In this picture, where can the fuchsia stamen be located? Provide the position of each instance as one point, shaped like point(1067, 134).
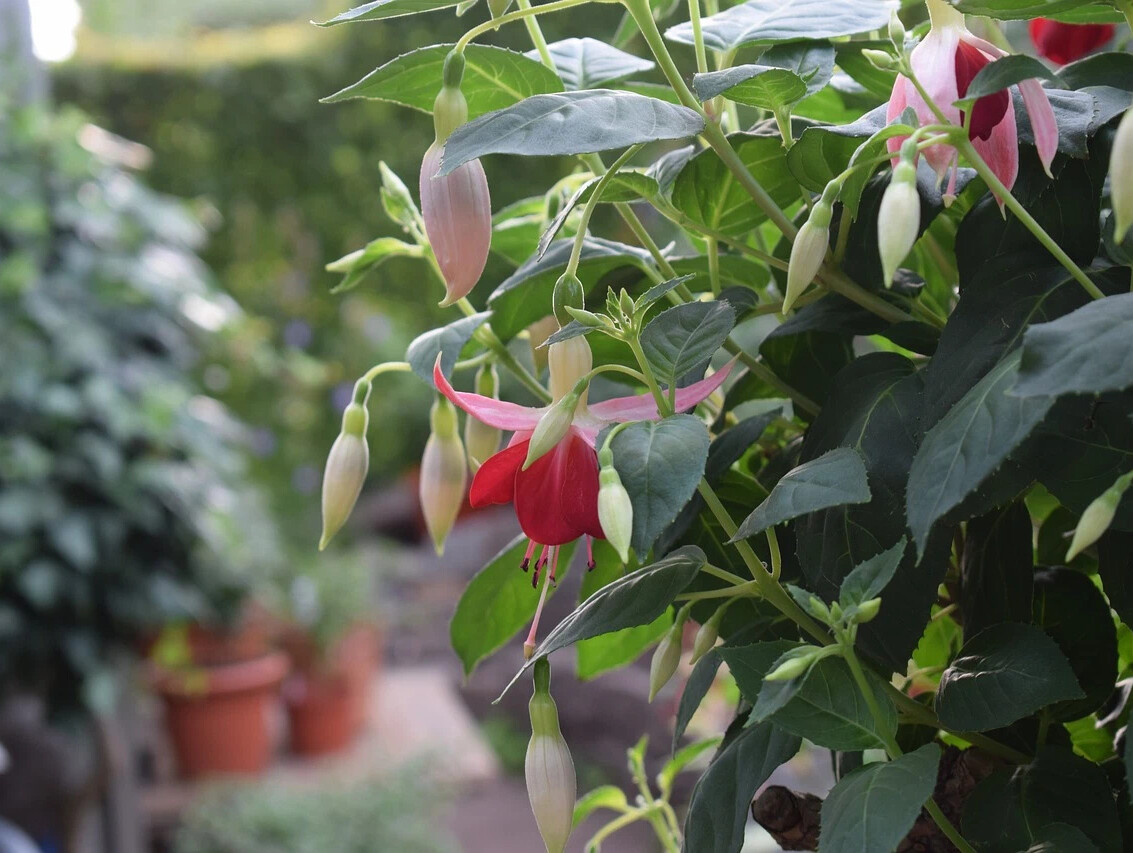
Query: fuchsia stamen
point(554, 564)
point(589, 553)
point(527, 556)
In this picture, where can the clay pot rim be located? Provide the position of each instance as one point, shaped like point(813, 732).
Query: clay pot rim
point(197, 682)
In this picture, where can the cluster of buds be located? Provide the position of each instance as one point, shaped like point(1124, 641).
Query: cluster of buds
point(347, 464)
point(899, 217)
point(444, 473)
point(548, 767)
point(667, 655)
point(1121, 176)
point(480, 440)
point(615, 510)
point(809, 249)
point(1098, 516)
point(456, 207)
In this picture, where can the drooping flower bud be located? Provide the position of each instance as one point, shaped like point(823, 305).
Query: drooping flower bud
point(347, 464)
point(1121, 176)
point(808, 252)
point(615, 510)
point(898, 219)
point(481, 440)
point(667, 655)
point(708, 633)
point(444, 473)
point(1098, 517)
point(548, 767)
point(568, 292)
point(456, 208)
point(554, 425)
point(569, 361)
point(792, 664)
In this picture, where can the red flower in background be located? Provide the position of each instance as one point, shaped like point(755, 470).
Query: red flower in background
point(1063, 43)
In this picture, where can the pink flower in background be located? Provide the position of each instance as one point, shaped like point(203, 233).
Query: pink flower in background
point(946, 61)
point(1063, 43)
point(457, 210)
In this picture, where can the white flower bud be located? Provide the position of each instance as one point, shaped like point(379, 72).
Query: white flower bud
point(898, 220)
point(1098, 517)
point(481, 440)
point(347, 464)
point(807, 253)
point(666, 658)
point(569, 361)
point(1121, 176)
point(615, 510)
point(444, 474)
point(548, 767)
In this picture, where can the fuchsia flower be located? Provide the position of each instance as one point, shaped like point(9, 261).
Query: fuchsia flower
point(556, 499)
point(1063, 43)
point(946, 61)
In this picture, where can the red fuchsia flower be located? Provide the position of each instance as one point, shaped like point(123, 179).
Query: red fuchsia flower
point(1063, 43)
point(946, 61)
point(556, 498)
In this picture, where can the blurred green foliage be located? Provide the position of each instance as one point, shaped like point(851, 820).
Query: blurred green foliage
point(123, 496)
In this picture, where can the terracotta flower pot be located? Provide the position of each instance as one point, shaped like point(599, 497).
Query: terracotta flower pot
point(218, 717)
point(320, 712)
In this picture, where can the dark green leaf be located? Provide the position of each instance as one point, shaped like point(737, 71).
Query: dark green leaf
point(494, 78)
point(717, 812)
point(683, 339)
point(1115, 567)
point(969, 443)
point(446, 341)
point(659, 290)
point(660, 464)
point(750, 663)
point(835, 478)
point(1005, 72)
point(1102, 69)
point(496, 605)
point(584, 63)
point(768, 21)
point(1085, 352)
point(868, 580)
point(1004, 673)
point(1062, 838)
point(569, 123)
point(1075, 11)
point(997, 569)
point(808, 361)
point(874, 807)
point(784, 76)
point(624, 186)
point(682, 759)
point(696, 688)
point(382, 9)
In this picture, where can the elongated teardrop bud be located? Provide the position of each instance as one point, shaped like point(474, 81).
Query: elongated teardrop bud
point(793, 664)
point(569, 361)
point(554, 425)
point(667, 655)
point(708, 633)
point(548, 767)
point(808, 252)
point(347, 464)
point(615, 510)
point(481, 440)
point(1121, 176)
point(567, 293)
point(1098, 516)
point(898, 218)
point(444, 473)
point(456, 207)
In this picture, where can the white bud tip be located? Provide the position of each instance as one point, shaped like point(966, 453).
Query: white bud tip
point(528, 650)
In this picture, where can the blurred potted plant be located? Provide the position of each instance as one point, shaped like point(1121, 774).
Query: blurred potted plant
point(334, 644)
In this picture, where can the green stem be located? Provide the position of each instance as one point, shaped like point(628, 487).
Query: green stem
point(776, 555)
point(384, 367)
point(713, 250)
point(745, 589)
point(615, 368)
point(722, 574)
point(697, 36)
point(591, 203)
point(487, 337)
point(525, 11)
point(536, 34)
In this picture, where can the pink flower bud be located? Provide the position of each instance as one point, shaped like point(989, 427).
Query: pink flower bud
point(458, 221)
point(444, 474)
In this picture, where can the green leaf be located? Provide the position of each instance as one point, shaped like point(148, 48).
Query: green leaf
point(830, 711)
point(720, 801)
point(624, 186)
point(603, 797)
point(750, 663)
point(610, 651)
point(525, 295)
point(768, 21)
point(874, 807)
point(1004, 673)
point(1113, 68)
point(516, 229)
point(681, 760)
point(569, 123)
point(835, 478)
point(707, 192)
point(660, 464)
point(784, 76)
point(585, 63)
point(496, 605)
point(657, 291)
point(1073, 11)
point(357, 265)
point(822, 152)
point(1115, 568)
point(1087, 351)
point(635, 599)
point(381, 9)
point(997, 569)
point(1062, 838)
point(447, 342)
point(1007, 71)
point(969, 443)
point(682, 339)
point(696, 688)
point(494, 78)
point(868, 579)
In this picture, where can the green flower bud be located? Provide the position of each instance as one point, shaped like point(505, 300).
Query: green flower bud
point(666, 658)
point(480, 440)
point(444, 474)
point(1121, 176)
point(818, 608)
point(868, 610)
point(792, 665)
point(587, 318)
point(626, 303)
point(880, 59)
point(554, 425)
point(548, 767)
point(808, 252)
point(898, 220)
point(708, 633)
point(396, 200)
point(568, 293)
point(1098, 517)
point(450, 111)
point(896, 30)
point(345, 472)
point(615, 511)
